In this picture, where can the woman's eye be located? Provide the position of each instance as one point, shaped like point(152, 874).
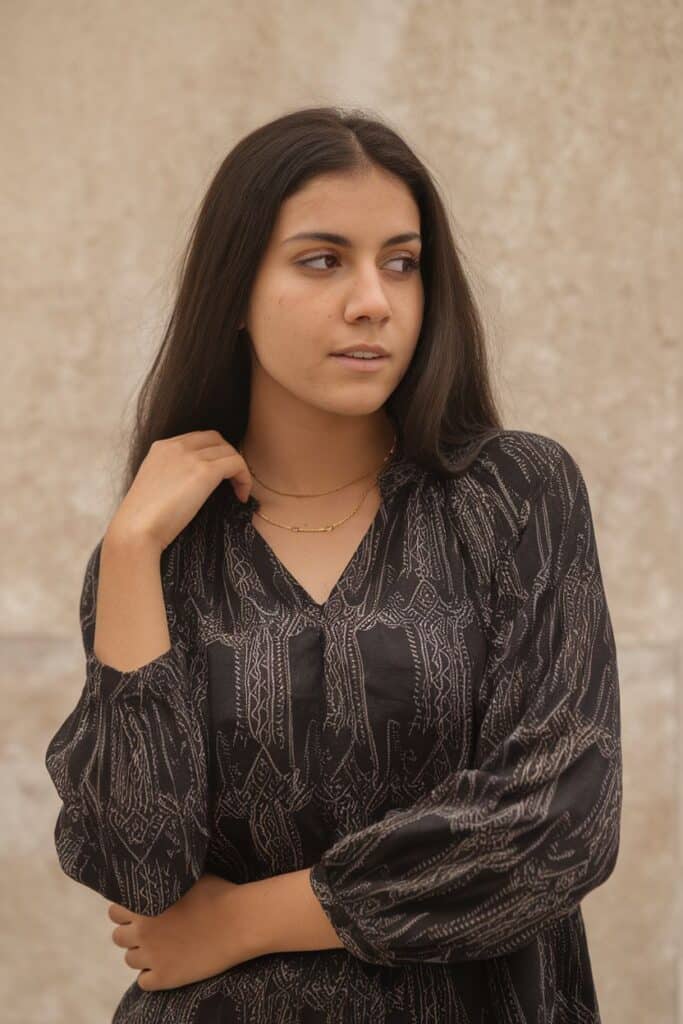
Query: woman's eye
point(412, 263)
point(312, 259)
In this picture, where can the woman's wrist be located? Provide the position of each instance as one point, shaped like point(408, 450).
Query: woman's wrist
point(282, 914)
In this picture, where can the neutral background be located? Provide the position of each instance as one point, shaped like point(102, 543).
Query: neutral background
point(553, 130)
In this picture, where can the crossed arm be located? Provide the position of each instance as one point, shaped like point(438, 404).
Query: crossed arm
point(218, 924)
point(286, 915)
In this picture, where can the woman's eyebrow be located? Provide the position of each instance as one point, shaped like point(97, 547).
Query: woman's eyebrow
point(328, 236)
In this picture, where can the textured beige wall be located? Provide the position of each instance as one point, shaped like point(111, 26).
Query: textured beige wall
point(551, 128)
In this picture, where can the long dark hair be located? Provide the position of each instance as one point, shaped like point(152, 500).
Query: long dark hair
point(200, 378)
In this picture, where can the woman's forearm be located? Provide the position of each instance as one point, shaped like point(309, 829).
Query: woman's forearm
point(282, 914)
point(131, 628)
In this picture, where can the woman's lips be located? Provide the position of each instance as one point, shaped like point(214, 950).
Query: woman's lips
point(363, 365)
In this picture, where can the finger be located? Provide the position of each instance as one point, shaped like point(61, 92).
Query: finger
point(135, 958)
point(200, 438)
point(234, 467)
point(120, 914)
point(123, 936)
point(145, 980)
point(221, 452)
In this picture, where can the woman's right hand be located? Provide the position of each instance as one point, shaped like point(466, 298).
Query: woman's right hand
point(174, 480)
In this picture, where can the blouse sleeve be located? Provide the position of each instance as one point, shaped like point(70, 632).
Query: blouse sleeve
point(499, 851)
point(129, 765)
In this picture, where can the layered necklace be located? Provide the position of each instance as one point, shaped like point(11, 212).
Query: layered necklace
point(331, 526)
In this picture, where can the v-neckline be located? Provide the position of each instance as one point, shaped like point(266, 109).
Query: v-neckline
point(398, 470)
point(358, 553)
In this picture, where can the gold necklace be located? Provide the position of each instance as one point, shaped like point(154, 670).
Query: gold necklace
point(317, 529)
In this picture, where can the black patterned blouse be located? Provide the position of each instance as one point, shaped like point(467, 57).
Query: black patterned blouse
point(440, 740)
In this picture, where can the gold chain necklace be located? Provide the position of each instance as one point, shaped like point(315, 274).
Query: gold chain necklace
point(317, 529)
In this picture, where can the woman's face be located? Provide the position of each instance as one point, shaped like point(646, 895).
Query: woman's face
point(312, 297)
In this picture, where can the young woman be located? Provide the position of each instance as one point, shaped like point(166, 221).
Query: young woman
point(348, 747)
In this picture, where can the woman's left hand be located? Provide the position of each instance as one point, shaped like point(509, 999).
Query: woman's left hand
point(201, 935)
